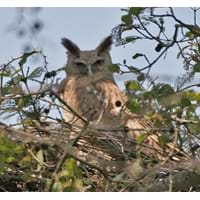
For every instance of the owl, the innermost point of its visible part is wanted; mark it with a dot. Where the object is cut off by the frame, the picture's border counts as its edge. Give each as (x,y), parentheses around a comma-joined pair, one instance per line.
(91,92)
(89,88)
(91,95)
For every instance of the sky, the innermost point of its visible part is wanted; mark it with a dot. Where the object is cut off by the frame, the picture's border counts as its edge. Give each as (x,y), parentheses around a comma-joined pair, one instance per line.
(86,27)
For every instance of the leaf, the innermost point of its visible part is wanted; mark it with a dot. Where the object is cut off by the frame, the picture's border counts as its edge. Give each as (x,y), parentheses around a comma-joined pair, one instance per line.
(57,187)
(130,39)
(25,56)
(119,177)
(163,139)
(136,168)
(171,100)
(36,73)
(133,85)
(193,128)
(141,77)
(40,157)
(166,90)
(24,101)
(78,184)
(185,102)
(4,74)
(134,105)
(9,159)
(114,68)
(136,10)
(190,34)
(140,139)
(10,89)
(164,94)
(71,167)
(193,95)
(127,19)
(9,152)
(137,55)
(196,67)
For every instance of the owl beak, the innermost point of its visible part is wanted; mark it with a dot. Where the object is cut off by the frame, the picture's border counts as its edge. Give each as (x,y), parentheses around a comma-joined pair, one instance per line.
(90,73)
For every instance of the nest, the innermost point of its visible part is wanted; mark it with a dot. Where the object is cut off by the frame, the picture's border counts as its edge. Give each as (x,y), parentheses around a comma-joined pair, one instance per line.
(110,153)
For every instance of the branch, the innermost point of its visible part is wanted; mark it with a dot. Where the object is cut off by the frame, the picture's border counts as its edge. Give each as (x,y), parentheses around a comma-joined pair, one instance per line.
(181,181)
(101,165)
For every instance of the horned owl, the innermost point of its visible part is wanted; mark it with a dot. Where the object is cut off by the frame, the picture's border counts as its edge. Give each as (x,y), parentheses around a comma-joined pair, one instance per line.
(91,91)
(89,88)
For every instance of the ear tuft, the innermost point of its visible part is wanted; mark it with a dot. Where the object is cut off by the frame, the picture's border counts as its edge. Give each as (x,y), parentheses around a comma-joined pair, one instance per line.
(105,45)
(70,46)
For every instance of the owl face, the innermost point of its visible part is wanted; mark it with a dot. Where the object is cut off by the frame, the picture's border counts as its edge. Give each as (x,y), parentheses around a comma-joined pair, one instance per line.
(88,63)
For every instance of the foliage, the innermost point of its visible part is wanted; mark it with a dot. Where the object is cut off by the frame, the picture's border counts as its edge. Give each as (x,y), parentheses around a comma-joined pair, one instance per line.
(165,104)
(10,153)
(69,178)
(172,109)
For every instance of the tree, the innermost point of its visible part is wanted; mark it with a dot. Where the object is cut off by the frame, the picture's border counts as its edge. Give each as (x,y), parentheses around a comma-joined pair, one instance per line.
(94,160)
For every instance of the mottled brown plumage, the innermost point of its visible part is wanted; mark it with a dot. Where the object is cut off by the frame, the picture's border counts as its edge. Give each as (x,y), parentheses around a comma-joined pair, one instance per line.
(97,100)
(90,90)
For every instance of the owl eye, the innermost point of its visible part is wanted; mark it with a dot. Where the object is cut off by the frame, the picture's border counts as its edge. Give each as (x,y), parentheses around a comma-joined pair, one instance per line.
(80,64)
(99,62)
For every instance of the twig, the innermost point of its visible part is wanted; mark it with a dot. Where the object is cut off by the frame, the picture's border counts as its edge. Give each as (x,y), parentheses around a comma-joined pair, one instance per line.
(38,161)
(63,158)
(70,109)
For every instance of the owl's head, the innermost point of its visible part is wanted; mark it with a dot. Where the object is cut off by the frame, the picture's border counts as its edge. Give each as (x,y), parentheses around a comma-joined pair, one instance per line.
(88,63)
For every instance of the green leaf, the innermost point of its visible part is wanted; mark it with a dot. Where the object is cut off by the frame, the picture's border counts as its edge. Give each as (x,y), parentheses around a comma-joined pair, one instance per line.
(114,68)
(185,102)
(127,19)
(137,55)
(10,89)
(171,100)
(140,139)
(4,74)
(130,39)
(141,77)
(71,166)
(166,90)
(163,139)
(164,93)
(196,67)
(133,85)
(40,157)
(24,101)
(134,105)
(189,34)
(119,177)
(78,185)
(9,152)
(136,10)
(36,73)
(10,159)
(25,56)
(136,168)
(57,187)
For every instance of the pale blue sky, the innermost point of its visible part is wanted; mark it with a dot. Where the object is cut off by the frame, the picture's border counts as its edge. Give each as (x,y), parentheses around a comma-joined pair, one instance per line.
(86,27)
